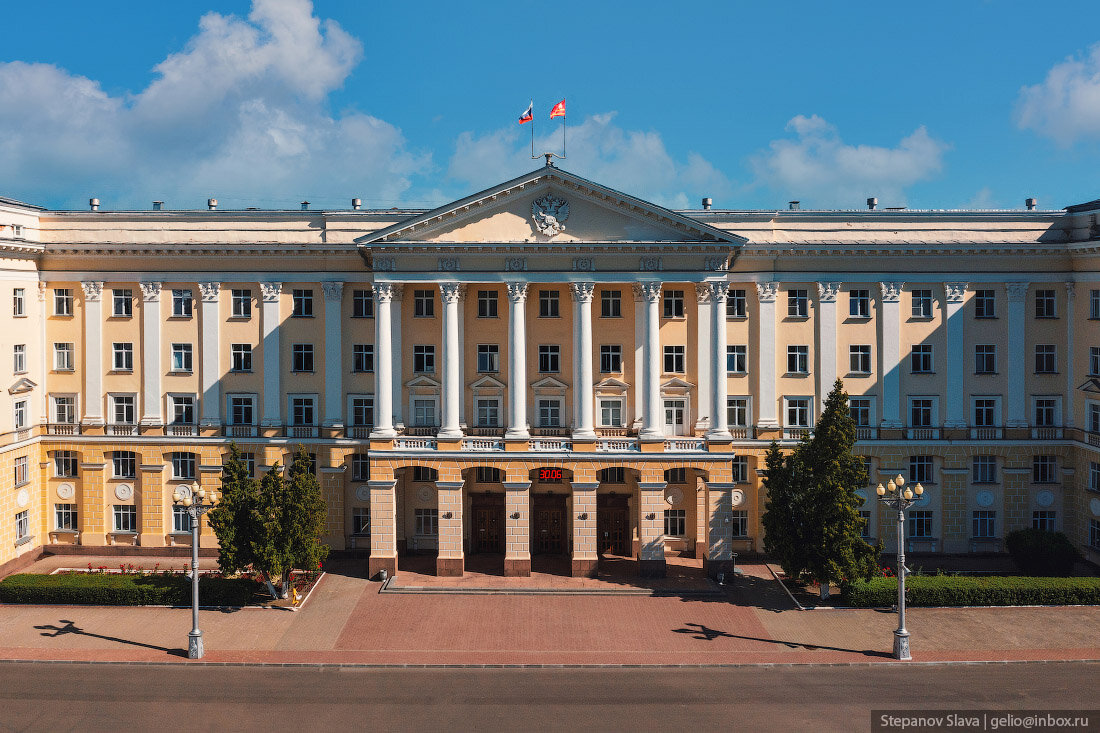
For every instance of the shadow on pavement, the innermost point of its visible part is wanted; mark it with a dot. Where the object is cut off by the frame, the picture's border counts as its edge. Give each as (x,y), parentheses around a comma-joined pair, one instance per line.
(705,633)
(70,627)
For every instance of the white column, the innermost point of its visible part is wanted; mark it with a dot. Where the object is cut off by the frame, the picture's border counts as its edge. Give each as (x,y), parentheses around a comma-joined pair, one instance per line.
(1016,407)
(211,356)
(383,362)
(517,361)
(93,353)
(652,426)
(767,410)
(151,414)
(826,340)
(1071,390)
(719,424)
(890,369)
(582,383)
(397,379)
(334,372)
(956,412)
(706,359)
(638,390)
(273,398)
(452,387)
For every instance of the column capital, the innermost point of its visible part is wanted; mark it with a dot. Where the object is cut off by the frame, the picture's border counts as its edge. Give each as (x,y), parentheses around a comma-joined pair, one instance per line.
(1071,293)
(209,291)
(386,292)
(1017,291)
(891,291)
(582,292)
(956,292)
(271,291)
(767,291)
(827,291)
(651,290)
(150,291)
(516,485)
(702,292)
(334,289)
(451,292)
(517,291)
(92,290)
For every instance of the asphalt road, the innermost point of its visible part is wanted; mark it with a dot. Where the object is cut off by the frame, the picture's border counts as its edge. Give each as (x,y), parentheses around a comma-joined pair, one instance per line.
(58,697)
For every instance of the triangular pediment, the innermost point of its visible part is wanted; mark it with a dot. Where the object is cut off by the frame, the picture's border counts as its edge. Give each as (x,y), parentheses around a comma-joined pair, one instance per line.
(487,382)
(21,385)
(548,383)
(1090,385)
(580,211)
(676,384)
(422,381)
(610,384)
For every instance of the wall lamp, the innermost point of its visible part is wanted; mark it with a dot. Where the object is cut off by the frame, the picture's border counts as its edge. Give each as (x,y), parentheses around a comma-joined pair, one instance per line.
(447,515)
(651,515)
(582,516)
(514,515)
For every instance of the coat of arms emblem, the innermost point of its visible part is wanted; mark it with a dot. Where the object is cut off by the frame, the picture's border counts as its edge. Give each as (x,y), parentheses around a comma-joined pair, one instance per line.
(549,214)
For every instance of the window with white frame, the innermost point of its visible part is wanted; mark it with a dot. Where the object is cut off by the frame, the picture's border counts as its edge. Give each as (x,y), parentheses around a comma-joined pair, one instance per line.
(362,304)
(241,409)
(675,522)
(673,303)
(985,412)
(124,464)
(65,464)
(1046,359)
(611,304)
(302,358)
(859,409)
(549,304)
(1092,417)
(985,303)
(122,409)
(125,518)
(985,469)
(424,412)
(424,359)
(362,357)
(488,358)
(1094,476)
(19,302)
(66,517)
(1094,533)
(865,524)
(983,524)
(549,358)
(798,359)
(985,359)
(360,520)
(859,358)
(427,522)
(303,410)
(302,303)
(488,412)
(549,413)
(181,520)
(183,465)
(798,303)
(249,461)
(859,303)
(182,408)
(674,359)
(22,526)
(362,411)
(611,358)
(240,357)
(798,412)
(1045,304)
(487,304)
(920,470)
(17,231)
(740,469)
(921,359)
(21,470)
(1044,469)
(424,303)
(922,303)
(122,356)
(181,357)
(64,409)
(737,358)
(242,303)
(360,467)
(736,303)
(611,412)
(20,414)
(737,412)
(63,357)
(1047,411)
(1044,519)
(19,358)
(739,523)
(1094,361)
(122,303)
(62,301)
(920,524)
(181,303)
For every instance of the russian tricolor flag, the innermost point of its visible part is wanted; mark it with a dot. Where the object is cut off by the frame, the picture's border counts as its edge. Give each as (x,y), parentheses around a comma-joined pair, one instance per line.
(527,116)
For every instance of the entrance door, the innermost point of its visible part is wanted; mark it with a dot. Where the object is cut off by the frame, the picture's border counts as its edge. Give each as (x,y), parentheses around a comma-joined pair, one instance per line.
(487,526)
(612,525)
(674,417)
(549,525)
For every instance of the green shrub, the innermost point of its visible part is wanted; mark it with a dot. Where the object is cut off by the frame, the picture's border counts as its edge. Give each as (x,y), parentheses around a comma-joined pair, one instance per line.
(1041,552)
(115,589)
(949,590)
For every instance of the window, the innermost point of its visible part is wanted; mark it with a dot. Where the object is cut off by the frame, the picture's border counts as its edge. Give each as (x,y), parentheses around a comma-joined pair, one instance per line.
(1094,476)
(676,476)
(1046,412)
(362,412)
(1094,361)
(63,357)
(859,304)
(488,358)
(798,359)
(985,359)
(798,304)
(19,358)
(62,302)
(921,360)
(736,303)
(920,524)
(241,409)
(859,408)
(17,231)
(181,357)
(427,522)
(424,413)
(920,469)
(64,410)
(1092,417)
(123,354)
(616,475)
(1094,533)
(549,358)
(181,520)
(740,469)
(240,357)
(548,304)
(1045,304)
(985,469)
(122,409)
(674,304)
(423,473)
(19,302)
(124,464)
(360,467)
(798,412)
(984,524)
(181,303)
(1094,304)
(1046,520)
(360,520)
(985,304)
(122,303)
(424,303)
(303,303)
(65,464)
(740,523)
(486,304)
(20,414)
(859,358)
(303,411)
(920,412)
(424,359)
(611,304)
(183,409)
(488,412)
(242,303)
(737,359)
(362,357)
(675,521)
(1044,469)
(549,413)
(674,359)
(183,465)
(985,412)
(611,413)
(65,517)
(22,526)
(922,304)
(362,304)
(125,518)
(1046,361)
(302,358)
(865,524)
(611,358)
(21,468)
(737,412)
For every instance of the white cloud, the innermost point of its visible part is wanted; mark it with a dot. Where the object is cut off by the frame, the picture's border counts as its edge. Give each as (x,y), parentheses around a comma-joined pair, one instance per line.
(239,113)
(632,161)
(983,199)
(818,168)
(1066,106)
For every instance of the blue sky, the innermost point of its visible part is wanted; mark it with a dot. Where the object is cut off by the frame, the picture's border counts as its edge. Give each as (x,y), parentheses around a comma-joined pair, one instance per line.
(266,103)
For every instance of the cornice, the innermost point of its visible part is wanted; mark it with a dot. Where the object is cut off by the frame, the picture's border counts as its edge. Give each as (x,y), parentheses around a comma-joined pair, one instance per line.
(921,249)
(190,249)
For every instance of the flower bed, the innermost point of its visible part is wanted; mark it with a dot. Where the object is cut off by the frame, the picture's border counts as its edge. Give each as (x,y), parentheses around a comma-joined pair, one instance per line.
(948,590)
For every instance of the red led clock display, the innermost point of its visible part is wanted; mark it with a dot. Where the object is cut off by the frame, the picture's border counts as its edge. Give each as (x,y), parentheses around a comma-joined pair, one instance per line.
(549,474)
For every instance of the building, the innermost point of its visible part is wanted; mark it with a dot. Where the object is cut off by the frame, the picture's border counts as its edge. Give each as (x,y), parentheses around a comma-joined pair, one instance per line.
(547,366)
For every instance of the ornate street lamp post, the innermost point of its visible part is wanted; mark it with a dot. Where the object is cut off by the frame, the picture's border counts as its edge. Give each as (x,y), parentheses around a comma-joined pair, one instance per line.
(892,496)
(196,507)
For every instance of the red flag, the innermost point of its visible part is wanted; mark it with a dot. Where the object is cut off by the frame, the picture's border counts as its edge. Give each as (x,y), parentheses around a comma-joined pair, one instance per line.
(527,116)
(559,110)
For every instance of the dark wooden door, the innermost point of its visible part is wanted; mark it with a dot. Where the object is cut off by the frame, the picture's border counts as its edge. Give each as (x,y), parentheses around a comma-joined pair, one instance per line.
(614,531)
(487,526)
(549,531)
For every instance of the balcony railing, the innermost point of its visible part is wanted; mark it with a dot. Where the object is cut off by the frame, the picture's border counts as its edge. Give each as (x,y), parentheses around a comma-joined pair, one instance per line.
(680,445)
(550,432)
(428,431)
(866,433)
(239,431)
(482,444)
(986,433)
(1047,433)
(741,432)
(922,433)
(121,430)
(551,444)
(181,431)
(617,445)
(23,434)
(404,442)
(486,432)
(796,433)
(359,432)
(63,428)
(301,431)
(612,432)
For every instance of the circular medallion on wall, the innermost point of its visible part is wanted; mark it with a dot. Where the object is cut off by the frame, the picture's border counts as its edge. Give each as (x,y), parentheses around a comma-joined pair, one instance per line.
(65,491)
(424,494)
(1094,505)
(362,493)
(184,491)
(674,496)
(984,498)
(1045,498)
(737,497)
(23,498)
(124,492)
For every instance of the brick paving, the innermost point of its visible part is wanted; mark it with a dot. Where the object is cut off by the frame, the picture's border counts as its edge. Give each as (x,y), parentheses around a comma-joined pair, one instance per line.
(347,621)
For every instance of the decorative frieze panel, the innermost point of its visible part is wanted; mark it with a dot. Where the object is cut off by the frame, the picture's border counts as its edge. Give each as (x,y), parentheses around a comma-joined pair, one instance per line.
(150,292)
(956,292)
(767,291)
(271,291)
(515,264)
(209,291)
(891,291)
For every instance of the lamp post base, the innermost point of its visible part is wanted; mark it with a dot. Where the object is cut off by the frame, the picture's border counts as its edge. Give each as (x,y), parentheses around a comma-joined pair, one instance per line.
(901,645)
(195,650)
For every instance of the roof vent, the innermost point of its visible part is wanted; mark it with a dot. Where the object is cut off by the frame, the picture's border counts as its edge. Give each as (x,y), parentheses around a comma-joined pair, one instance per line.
(305,206)
(1030,204)
(707,202)
(792,205)
(211,204)
(93,204)
(872,202)
(157,205)
(356,204)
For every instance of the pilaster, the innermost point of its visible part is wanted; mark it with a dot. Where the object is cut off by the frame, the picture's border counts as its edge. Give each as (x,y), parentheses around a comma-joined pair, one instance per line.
(151,509)
(383,527)
(585,562)
(651,529)
(720,530)
(890,351)
(826,340)
(93,353)
(273,398)
(151,413)
(450,561)
(95,521)
(956,416)
(517,524)
(767,404)
(1071,358)
(1015,413)
(211,356)
(334,373)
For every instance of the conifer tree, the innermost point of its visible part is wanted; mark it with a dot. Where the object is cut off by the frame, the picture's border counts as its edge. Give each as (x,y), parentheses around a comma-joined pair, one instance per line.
(235,520)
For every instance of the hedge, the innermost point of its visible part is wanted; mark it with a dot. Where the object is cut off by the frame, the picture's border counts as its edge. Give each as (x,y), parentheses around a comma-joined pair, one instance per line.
(950,590)
(117,589)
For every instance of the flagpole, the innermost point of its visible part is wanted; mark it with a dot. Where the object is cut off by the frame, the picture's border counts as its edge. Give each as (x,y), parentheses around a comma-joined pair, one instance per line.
(532,129)
(563,137)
